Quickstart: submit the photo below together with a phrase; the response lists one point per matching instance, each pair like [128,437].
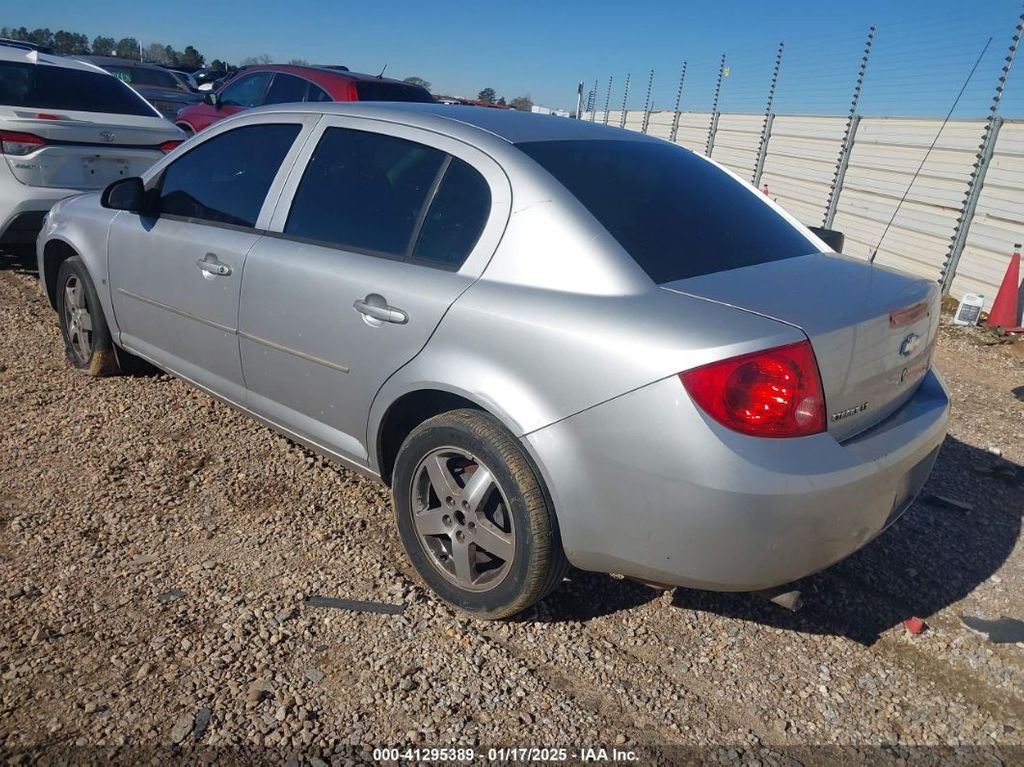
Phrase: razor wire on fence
[842,131]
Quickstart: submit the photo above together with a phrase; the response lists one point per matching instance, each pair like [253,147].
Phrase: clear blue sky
[923,50]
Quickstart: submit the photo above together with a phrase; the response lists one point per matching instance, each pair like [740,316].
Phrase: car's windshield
[675,213]
[44,86]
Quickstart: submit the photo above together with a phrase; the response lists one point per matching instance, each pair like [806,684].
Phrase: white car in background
[67,127]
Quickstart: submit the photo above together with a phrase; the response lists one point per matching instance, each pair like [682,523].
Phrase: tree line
[490,96]
[65,43]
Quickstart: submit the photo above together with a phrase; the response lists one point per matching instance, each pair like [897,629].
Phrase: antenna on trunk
[925,158]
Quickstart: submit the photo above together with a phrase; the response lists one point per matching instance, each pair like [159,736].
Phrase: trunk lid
[873,329]
[85,150]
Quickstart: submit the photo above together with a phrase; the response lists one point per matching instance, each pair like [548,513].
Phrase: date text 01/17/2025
[524,754]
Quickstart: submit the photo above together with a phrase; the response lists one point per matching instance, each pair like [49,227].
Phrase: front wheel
[473,516]
[87,340]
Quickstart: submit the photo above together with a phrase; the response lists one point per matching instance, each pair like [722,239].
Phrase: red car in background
[274,84]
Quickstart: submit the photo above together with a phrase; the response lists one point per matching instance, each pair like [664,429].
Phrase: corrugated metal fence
[800,168]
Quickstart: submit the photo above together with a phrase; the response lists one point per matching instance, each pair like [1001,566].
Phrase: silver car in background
[557,342]
[66,127]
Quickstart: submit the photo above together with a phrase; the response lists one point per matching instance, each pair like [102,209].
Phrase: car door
[379,228]
[175,276]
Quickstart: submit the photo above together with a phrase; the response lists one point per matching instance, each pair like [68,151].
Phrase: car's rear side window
[226,178]
[364,191]
[382,90]
[286,88]
[45,86]
[455,219]
[676,214]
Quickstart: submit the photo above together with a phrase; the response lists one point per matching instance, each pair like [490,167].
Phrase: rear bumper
[646,486]
[22,208]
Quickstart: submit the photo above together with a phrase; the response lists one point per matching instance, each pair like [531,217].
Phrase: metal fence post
[762,149]
[981,163]
[608,100]
[647,104]
[769,118]
[679,99]
[625,95]
[970,204]
[839,178]
[846,145]
[713,128]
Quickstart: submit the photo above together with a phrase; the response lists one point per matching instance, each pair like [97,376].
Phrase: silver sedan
[557,342]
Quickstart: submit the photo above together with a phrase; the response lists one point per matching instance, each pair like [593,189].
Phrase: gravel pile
[157,550]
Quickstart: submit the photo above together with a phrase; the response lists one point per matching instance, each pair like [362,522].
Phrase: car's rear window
[676,214]
[144,76]
[381,90]
[44,86]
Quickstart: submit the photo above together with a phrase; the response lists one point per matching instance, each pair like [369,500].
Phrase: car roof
[508,125]
[116,61]
[8,53]
[319,71]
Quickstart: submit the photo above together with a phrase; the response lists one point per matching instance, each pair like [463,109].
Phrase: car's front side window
[226,178]
[364,191]
[246,92]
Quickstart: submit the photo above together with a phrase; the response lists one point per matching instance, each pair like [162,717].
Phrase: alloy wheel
[463,519]
[77,319]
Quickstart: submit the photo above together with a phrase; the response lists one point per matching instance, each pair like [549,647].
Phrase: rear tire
[87,340]
[473,516]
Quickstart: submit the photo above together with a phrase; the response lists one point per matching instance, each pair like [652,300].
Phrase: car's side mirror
[210,97]
[830,237]
[127,194]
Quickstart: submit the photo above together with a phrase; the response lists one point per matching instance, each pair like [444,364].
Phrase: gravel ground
[156,550]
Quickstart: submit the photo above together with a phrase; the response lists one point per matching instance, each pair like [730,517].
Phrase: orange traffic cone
[1005,311]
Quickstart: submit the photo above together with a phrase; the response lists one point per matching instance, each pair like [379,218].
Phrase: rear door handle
[211,265]
[377,311]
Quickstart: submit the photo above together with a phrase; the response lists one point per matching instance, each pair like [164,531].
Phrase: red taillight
[773,393]
[169,146]
[15,143]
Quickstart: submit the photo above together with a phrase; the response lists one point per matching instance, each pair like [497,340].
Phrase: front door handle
[211,266]
[376,310]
